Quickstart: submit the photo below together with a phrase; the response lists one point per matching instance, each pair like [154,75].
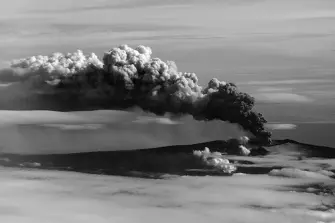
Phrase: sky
[281,52]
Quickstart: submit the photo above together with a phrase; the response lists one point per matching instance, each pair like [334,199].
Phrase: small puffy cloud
[214,160]
[243,150]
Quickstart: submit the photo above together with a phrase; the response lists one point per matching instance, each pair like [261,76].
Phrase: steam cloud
[126,78]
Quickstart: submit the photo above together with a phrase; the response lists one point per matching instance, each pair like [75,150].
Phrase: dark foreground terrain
[177,159]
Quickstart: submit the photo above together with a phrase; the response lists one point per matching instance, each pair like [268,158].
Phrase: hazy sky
[244,41]
[280,51]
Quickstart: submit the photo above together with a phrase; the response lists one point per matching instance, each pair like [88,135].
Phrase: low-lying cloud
[157,120]
[297,173]
[75,126]
[280,126]
[64,118]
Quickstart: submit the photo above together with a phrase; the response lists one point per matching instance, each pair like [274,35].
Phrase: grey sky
[280,51]
[234,40]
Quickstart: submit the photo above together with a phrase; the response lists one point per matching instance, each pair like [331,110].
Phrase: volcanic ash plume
[127,78]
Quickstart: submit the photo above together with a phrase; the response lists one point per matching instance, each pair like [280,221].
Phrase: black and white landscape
[160,111]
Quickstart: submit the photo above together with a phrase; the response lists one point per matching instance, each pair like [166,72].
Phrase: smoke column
[125,78]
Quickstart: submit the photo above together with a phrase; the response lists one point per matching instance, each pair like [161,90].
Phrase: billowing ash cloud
[127,78]
[51,68]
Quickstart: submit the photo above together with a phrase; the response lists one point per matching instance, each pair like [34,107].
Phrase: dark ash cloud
[125,78]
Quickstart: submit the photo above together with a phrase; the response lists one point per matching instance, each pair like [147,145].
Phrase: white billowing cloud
[52,67]
[280,126]
[282,97]
[214,160]
[243,150]
[127,64]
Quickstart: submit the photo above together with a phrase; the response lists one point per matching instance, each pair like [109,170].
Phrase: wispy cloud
[157,120]
[75,126]
[273,89]
[281,97]
[320,14]
[117,5]
[3,85]
[321,93]
[281,126]
[288,82]
[9,117]
[115,27]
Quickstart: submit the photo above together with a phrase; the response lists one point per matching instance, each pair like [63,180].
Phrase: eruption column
[129,77]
